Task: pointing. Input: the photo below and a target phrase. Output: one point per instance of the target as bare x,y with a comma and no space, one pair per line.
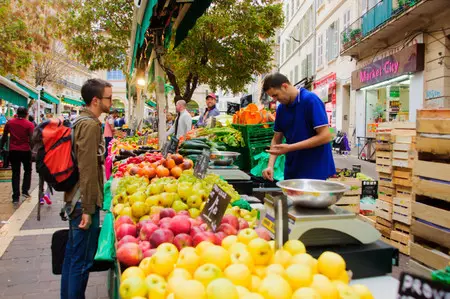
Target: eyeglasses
108,98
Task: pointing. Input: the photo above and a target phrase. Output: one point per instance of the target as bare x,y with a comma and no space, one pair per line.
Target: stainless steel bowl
223,158
312,193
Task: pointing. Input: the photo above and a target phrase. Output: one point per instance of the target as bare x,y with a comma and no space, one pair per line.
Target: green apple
185,190
126,211
167,199
155,188
207,273
194,213
194,201
171,187
137,197
155,210
132,188
133,287
178,205
154,200
139,209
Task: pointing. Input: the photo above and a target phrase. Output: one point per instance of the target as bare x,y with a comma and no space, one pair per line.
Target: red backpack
53,151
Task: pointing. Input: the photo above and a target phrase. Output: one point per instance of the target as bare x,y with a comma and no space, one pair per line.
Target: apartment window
288,48
347,19
320,50
332,41
115,75
307,22
296,74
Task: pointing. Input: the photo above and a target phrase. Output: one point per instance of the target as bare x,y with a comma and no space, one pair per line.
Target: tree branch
193,87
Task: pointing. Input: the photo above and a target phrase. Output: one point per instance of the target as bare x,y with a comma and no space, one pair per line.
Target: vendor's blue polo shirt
297,122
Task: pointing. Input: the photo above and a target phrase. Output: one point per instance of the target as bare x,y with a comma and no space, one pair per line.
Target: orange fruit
176,171
161,171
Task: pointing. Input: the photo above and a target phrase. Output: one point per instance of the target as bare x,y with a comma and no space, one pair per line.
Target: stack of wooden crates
351,199
394,162
430,228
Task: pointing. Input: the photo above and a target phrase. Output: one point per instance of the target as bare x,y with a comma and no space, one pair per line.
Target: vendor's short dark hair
22,112
93,88
274,80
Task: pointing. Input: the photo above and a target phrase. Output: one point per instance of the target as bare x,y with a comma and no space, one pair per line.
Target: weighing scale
333,229
234,176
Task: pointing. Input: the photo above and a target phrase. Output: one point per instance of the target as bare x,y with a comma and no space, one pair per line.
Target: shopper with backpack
85,199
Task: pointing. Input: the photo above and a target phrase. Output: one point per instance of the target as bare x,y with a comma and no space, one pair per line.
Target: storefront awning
10,92
49,98
325,88
33,92
72,101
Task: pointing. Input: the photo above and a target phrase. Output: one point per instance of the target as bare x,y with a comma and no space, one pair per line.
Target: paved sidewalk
25,254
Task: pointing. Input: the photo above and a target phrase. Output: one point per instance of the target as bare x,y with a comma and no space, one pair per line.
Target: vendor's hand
268,173
279,149
86,221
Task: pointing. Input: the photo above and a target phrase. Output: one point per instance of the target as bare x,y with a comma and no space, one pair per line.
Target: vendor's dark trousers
18,158
79,256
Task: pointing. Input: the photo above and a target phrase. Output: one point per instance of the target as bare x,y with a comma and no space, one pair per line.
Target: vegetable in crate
226,135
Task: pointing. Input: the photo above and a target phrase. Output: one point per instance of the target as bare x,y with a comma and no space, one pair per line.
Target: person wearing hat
211,110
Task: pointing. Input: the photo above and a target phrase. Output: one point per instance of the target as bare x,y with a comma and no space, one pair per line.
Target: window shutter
336,39
327,44
296,73
309,65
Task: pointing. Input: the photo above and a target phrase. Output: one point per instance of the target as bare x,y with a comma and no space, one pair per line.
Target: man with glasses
85,200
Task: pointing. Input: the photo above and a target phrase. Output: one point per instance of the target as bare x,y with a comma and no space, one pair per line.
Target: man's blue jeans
79,256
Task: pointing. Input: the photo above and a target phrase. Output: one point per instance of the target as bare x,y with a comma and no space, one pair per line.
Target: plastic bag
263,159
107,196
105,248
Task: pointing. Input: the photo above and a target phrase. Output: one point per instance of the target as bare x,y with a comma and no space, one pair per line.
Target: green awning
12,94
196,10
72,101
150,103
27,88
49,98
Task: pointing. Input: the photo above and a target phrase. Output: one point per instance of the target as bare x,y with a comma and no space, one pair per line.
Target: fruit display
242,266
152,165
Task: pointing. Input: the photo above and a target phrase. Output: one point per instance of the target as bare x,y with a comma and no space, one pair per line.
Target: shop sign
408,60
417,287
325,88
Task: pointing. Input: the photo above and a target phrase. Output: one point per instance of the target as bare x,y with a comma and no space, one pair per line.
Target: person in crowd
183,122
84,201
31,119
211,110
42,117
302,120
109,130
20,130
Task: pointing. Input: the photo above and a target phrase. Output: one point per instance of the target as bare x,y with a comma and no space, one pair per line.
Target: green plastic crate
255,133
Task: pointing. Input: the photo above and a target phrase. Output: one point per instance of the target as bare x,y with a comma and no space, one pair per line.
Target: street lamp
141,82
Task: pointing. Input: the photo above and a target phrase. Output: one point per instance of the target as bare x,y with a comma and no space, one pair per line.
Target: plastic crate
255,133
254,150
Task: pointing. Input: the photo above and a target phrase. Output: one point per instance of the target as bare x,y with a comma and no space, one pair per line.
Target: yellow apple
272,245
170,249
145,266
326,289
118,208
216,255
239,274
281,257
276,269
161,263
304,259
242,257
343,277
154,279
294,247
156,286
331,264
362,291
173,282
168,199
207,273
345,291
133,287
154,200
222,288
306,293
260,271
171,187
154,189
246,235
256,282
188,259
298,276
202,246
155,210
190,289
139,209
180,272
136,197
126,212
228,241
252,296
132,272
242,291
260,251
236,247
275,287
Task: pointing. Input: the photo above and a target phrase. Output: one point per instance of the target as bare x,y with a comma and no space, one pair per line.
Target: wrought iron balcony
69,85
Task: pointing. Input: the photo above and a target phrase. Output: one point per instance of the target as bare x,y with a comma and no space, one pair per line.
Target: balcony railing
373,19
70,85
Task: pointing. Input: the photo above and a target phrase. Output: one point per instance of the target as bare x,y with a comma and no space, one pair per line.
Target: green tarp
13,97
72,101
196,10
31,91
49,98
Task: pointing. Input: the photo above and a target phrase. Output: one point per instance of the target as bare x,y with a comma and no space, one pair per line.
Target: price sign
173,145
232,108
417,287
202,164
165,149
215,207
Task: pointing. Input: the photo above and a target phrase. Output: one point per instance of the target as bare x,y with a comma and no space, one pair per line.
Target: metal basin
221,158
312,193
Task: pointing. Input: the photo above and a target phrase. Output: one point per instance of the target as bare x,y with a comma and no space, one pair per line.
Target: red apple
212,238
161,235
121,220
145,245
263,233
199,237
149,252
141,224
180,225
167,212
127,239
134,170
126,230
195,230
155,218
220,236
129,254
227,229
182,240
147,230
231,220
165,222
243,223
183,213
200,220
204,227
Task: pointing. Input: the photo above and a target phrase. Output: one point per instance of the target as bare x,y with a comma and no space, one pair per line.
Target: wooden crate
430,257
404,163
430,232
403,147
383,146
419,269
432,179
5,175
436,146
383,168
383,161
400,241
385,193
402,177
384,226
401,227
383,209
434,121
353,183
401,191
401,210
431,211
385,180
383,136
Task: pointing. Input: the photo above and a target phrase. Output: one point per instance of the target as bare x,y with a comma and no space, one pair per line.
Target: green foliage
98,32
15,42
230,43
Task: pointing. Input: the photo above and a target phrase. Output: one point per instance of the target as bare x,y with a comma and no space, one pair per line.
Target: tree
15,42
229,44
98,32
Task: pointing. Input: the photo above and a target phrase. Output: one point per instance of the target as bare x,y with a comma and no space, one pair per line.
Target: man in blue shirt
211,110
301,119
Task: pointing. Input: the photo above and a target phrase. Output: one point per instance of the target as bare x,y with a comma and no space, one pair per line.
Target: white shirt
184,124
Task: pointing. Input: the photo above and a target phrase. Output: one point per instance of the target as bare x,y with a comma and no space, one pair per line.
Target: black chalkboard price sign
202,164
173,145
215,207
165,149
416,287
